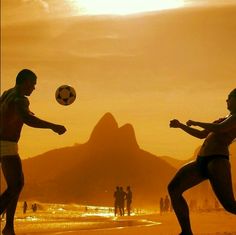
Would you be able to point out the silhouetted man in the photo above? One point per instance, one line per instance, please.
(212, 163)
(161, 205)
(166, 204)
(25, 206)
(122, 196)
(14, 113)
(117, 200)
(128, 199)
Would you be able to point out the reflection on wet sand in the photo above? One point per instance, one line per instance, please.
(73, 219)
(58, 218)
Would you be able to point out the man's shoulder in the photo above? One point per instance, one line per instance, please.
(231, 117)
(5, 94)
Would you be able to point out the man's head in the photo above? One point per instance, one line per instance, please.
(232, 93)
(26, 80)
(231, 101)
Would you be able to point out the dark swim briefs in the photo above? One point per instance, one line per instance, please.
(203, 161)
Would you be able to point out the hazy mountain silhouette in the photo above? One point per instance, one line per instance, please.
(89, 173)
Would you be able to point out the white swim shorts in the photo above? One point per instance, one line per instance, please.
(8, 148)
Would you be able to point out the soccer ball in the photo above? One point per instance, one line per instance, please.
(65, 95)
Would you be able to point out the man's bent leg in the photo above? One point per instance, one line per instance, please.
(187, 177)
(12, 170)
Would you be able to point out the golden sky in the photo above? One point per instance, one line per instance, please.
(171, 59)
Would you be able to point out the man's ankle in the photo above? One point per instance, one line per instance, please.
(8, 231)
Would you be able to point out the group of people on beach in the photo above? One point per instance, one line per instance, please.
(212, 162)
(194, 205)
(165, 204)
(34, 207)
(120, 197)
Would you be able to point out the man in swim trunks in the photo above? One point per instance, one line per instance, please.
(212, 163)
(14, 113)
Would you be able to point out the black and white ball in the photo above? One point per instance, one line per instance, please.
(65, 95)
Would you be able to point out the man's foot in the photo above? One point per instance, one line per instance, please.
(8, 231)
(188, 233)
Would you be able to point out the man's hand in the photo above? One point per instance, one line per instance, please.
(191, 123)
(59, 129)
(175, 123)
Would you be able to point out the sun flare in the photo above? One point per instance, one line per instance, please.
(123, 7)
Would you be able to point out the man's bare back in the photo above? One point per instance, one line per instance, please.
(9, 108)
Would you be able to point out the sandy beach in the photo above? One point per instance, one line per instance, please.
(54, 219)
(204, 224)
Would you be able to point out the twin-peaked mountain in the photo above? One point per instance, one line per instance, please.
(107, 135)
(88, 173)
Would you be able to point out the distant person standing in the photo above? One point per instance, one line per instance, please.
(117, 200)
(25, 206)
(212, 163)
(128, 200)
(166, 204)
(122, 196)
(14, 113)
(34, 207)
(161, 205)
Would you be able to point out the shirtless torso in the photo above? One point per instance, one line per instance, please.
(218, 142)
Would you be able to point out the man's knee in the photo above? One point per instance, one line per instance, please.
(19, 185)
(172, 189)
(175, 190)
(16, 188)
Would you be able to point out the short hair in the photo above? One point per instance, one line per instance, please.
(233, 93)
(25, 74)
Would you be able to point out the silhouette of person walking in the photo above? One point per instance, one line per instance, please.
(128, 200)
(14, 111)
(117, 200)
(25, 206)
(212, 163)
(161, 205)
(122, 196)
(166, 204)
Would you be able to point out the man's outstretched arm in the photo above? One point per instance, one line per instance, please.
(201, 134)
(29, 119)
(223, 126)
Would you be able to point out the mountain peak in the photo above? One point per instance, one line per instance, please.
(106, 126)
(107, 133)
(127, 136)
(108, 118)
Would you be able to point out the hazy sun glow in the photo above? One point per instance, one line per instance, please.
(123, 7)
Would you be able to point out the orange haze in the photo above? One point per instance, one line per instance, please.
(145, 69)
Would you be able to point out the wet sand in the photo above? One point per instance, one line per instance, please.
(73, 220)
(208, 223)
(219, 223)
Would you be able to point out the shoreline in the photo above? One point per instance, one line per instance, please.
(66, 219)
(205, 223)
